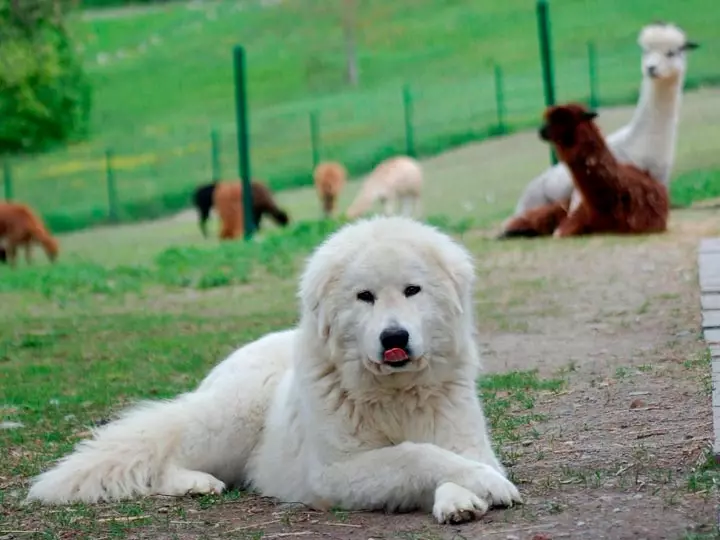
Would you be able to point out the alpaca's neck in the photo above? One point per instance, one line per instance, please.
(594, 170)
(652, 131)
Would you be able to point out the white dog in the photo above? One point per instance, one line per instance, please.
(371, 403)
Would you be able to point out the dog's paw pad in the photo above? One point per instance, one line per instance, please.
(455, 504)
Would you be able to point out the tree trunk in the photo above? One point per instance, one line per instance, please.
(349, 17)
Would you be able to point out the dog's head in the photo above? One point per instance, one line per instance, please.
(389, 295)
(562, 124)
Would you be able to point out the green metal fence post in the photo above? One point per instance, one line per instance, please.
(409, 124)
(543, 19)
(499, 99)
(215, 155)
(111, 187)
(7, 180)
(243, 137)
(592, 72)
(315, 137)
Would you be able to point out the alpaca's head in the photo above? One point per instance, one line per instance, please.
(564, 123)
(664, 47)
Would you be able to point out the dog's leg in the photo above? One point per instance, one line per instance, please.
(412, 475)
(28, 253)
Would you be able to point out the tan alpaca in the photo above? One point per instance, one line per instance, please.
(329, 178)
(396, 180)
(20, 226)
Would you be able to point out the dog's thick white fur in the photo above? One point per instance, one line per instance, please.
(316, 414)
(397, 181)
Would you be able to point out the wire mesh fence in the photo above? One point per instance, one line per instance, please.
(156, 171)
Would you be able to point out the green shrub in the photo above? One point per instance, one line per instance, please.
(44, 95)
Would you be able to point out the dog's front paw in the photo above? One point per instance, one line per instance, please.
(489, 484)
(183, 482)
(455, 504)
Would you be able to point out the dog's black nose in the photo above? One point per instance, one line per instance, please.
(652, 71)
(543, 133)
(394, 338)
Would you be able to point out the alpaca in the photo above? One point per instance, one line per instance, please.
(21, 227)
(263, 202)
(540, 221)
(329, 178)
(397, 179)
(648, 141)
(615, 197)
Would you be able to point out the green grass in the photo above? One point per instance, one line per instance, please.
(696, 186)
(157, 104)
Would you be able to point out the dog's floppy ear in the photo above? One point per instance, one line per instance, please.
(315, 285)
(456, 263)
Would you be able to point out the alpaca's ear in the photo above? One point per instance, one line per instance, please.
(690, 45)
(589, 115)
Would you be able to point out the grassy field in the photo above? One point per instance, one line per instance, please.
(144, 311)
(163, 82)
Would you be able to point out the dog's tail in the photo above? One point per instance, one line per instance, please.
(125, 458)
(203, 201)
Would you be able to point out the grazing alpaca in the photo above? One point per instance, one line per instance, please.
(231, 192)
(540, 221)
(397, 179)
(21, 227)
(648, 141)
(615, 197)
(329, 178)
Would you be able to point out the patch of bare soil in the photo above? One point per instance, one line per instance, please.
(617, 452)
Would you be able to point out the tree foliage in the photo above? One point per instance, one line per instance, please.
(44, 94)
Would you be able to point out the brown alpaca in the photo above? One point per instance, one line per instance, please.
(616, 197)
(329, 178)
(227, 200)
(21, 227)
(539, 221)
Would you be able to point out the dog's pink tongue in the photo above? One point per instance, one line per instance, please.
(395, 355)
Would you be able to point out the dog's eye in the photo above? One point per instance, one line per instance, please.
(366, 296)
(670, 54)
(412, 290)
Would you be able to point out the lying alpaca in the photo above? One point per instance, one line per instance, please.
(540, 221)
(397, 179)
(648, 141)
(615, 197)
(329, 178)
(263, 202)
(21, 227)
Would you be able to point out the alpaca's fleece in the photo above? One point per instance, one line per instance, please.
(616, 198)
(649, 140)
(227, 201)
(397, 180)
(540, 221)
(370, 403)
(329, 178)
(20, 226)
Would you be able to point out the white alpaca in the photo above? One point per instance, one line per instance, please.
(395, 180)
(648, 141)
